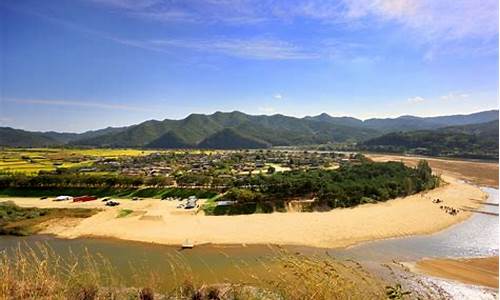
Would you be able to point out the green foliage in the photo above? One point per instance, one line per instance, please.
(229, 138)
(469, 141)
(347, 186)
(20, 138)
(228, 131)
(271, 170)
(237, 130)
(15, 220)
(124, 212)
(121, 192)
(243, 195)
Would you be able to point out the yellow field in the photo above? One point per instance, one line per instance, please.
(33, 160)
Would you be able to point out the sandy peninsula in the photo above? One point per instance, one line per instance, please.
(161, 222)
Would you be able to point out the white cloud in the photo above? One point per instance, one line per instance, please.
(52, 102)
(415, 100)
(267, 109)
(453, 96)
(278, 96)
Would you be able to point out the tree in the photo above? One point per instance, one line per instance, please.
(424, 173)
(271, 170)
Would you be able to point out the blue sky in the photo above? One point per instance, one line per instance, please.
(75, 65)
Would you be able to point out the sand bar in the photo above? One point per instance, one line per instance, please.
(161, 222)
(477, 271)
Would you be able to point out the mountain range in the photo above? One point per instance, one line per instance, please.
(234, 130)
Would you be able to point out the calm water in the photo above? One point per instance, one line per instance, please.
(477, 236)
(210, 264)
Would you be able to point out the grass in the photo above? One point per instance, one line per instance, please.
(210, 205)
(21, 221)
(40, 273)
(124, 212)
(107, 192)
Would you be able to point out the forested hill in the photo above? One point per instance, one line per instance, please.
(229, 131)
(469, 141)
(235, 130)
(21, 138)
(411, 123)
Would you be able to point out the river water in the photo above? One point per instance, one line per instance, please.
(477, 236)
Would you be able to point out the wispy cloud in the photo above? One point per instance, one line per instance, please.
(252, 48)
(52, 102)
(438, 26)
(451, 96)
(278, 96)
(416, 100)
(443, 19)
(236, 11)
(454, 96)
(264, 48)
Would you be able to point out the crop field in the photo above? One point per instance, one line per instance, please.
(33, 160)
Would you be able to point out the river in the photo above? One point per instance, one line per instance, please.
(475, 237)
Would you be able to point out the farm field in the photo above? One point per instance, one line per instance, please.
(31, 161)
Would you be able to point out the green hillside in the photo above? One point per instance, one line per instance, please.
(410, 123)
(276, 130)
(20, 138)
(199, 130)
(229, 138)
(470, 141)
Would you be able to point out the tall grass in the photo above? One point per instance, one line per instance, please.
(39, 273)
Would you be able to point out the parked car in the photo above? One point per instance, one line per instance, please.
(112, 203)
(63, 198)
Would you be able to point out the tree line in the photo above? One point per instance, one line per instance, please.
(347, 186)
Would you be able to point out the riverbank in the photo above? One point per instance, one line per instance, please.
(478, 172)
(476, 271)
(153, 220)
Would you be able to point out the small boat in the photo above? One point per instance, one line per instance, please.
(187, 245)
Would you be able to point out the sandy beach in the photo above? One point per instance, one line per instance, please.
(477, 271)
(161, 222)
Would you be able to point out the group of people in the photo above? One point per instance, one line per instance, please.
(449, 210)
